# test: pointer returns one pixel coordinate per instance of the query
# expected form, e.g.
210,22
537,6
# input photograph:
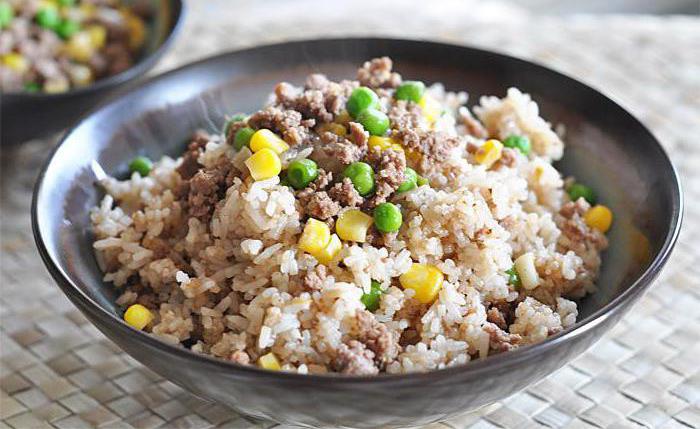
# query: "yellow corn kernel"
326,255
489,153
315,238
334,128
343,117
138,316
87,10
56,85
639,246
98,35
267,139
384,143
431,108
269,361
599,217
525,266
425,279
264,164
136,30
16,62
80,75
80,47
352,225
413,156
47,3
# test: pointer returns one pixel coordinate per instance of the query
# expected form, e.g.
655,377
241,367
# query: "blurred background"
611,6
57,371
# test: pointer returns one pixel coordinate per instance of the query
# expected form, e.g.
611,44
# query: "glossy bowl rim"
474,367
115,80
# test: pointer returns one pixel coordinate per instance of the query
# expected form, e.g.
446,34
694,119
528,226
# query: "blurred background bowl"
24,116
606,148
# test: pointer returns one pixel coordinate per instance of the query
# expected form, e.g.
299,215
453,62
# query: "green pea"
578,190
67,28
48,18
32,87
387,217
513,277
239,117
242,138
6,14
142,165
66,3
375,121
522,143
411,90
420,181
411,179
361,176
371,299
361,99
301,172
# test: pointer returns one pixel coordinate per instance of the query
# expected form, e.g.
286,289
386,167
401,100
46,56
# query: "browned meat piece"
405,118
345,194
358,135
240,357
500,340
472,125
207,187
317,81
285,94
118,57
412,311
189,164
509,158
501,313
213,333
389,167
436,147
340,149
376,337
203,195
318,205
574,227
313,279
143,8
98,64
322,181
377,74
289,123
355,359
571,208
159,247
495,316
321,100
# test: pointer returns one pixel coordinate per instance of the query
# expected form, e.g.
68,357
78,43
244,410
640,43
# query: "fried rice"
214,255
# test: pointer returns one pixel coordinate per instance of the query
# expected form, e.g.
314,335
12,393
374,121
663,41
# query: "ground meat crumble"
355,359
377,73
287,122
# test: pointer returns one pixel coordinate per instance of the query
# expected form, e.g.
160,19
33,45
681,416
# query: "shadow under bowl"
607,149
24,116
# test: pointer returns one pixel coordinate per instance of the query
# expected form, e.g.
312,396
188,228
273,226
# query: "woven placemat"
57,371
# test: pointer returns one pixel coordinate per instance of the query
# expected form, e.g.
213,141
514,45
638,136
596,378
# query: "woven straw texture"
57,371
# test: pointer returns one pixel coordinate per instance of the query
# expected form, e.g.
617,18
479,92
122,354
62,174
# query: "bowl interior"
606,147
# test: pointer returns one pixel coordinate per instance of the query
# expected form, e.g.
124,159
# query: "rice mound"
237,287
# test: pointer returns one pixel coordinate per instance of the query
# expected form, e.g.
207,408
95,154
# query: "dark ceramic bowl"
25,116
607,148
